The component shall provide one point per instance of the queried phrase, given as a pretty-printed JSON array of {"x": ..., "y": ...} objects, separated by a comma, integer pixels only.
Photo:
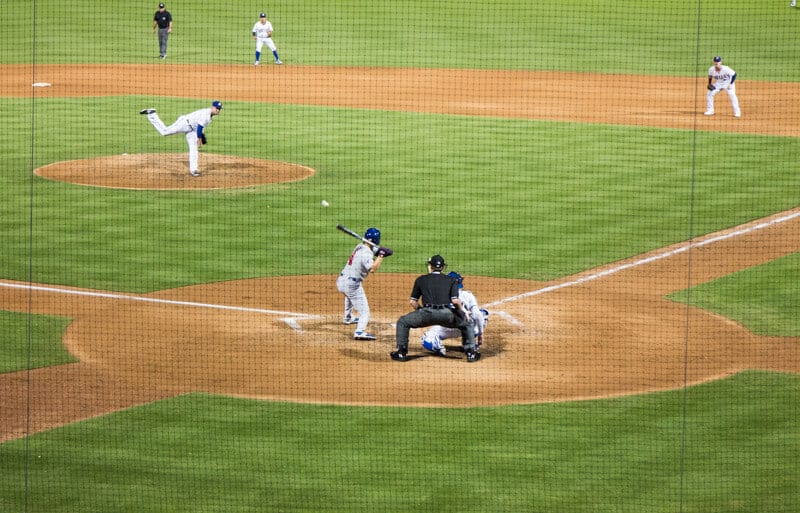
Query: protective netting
[{"x": 183, "y": 328}]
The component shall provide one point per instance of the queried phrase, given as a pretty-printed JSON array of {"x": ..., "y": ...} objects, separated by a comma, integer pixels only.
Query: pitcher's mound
[{"x": 171, "y": 171}]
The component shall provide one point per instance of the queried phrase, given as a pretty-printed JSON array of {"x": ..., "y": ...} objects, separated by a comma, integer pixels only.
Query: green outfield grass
[
  {"x": 650, "y": 38},
  {"x": 201, "y": 453},
  {"x": 524, "y": 199},
  {"x": 565, "y": 197}
]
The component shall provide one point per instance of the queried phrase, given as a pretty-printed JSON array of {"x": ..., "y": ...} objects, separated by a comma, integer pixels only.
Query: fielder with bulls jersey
[{"x": 721, "y": 78}]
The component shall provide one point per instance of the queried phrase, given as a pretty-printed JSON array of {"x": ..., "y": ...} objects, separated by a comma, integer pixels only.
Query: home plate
[{"x": 42, "y": 84}]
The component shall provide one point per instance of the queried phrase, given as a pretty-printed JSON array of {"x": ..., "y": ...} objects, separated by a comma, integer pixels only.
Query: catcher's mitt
[
  {"x": 203, "y": 139},
  {"x": 711, "y": 87}
]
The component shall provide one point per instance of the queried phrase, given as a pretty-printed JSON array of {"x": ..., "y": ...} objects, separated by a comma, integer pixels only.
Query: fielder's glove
[
  {"x": 203, "y": 139},
  {"x": 385, "y": 252},
  {"x": 711, "y": 87}
]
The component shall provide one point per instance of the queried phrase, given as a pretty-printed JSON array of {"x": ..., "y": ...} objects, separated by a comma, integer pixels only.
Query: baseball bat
[{"x": 351, "y": 233}]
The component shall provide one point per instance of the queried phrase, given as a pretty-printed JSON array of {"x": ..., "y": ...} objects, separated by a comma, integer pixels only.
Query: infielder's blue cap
[
  {"x": 717, "y": 59},
  {"x": 217, "y": 104},
  {"x": 263, "y": 15}
]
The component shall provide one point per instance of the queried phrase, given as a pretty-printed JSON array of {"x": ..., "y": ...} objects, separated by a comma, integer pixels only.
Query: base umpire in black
[
  {"x": 440, "y": 305},
  {"x": 163, "y": 21}
]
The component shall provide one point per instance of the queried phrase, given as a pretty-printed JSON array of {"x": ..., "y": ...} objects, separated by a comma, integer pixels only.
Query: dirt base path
[
  {"x": 768, "y": 107},
  {"x": 604, "y": 332}
]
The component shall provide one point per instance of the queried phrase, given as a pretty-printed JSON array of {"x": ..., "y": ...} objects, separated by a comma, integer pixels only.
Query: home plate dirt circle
[{"x": 170, "y": 171}]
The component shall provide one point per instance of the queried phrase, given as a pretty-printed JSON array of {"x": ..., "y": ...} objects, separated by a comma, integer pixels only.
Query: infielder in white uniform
[
  {"x": 262, "y": 33},
  {"x": 193, "y": 125},
  {"x": 350, "y": 283},
  {"x": 432, "y": 339},
  {"x": 721, "y": 78}
]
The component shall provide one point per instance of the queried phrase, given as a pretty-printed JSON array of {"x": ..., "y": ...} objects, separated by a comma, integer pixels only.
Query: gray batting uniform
[{"x": 350, "y": 283}]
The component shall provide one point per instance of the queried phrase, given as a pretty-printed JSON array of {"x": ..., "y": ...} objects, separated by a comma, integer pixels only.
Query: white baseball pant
[
  {"x": 181, "y": 125},
  {"x": 731, "y": 90},
  {"x": 261, "y": 42}
]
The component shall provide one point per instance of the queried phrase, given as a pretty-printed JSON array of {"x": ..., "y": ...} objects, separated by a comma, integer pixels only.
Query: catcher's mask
[
  {"x": 436, "y": 262},
  {"x": 373, "y": 235},
  {"x": 459, "y": 279}
]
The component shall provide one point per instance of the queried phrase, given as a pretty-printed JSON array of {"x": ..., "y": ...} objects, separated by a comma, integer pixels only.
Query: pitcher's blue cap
[
  {"x": 217, "y": 104},
  {"x": 717, "y": 59},
  {"x": 263, "y": 15}
]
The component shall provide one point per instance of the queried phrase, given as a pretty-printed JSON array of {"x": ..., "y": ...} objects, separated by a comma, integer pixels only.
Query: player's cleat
[
  {"x": 399, "y": 355},
  {"x": 350, "y": 320},
  {"x": 147, "y": 111},
  {"x": 473, "y": 356},
  {"x": 737, "y": 115},
  {"x": 708, "y": 113},
  {"x": 256, "y": 63},
  {"x": 278, "y": 62},
  {"x": 194, "y": 173},
  {"x": 363, "y": 335}
]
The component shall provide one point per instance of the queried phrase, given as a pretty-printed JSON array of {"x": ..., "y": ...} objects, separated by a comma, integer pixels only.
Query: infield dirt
[{"x": 613, "y": 334}]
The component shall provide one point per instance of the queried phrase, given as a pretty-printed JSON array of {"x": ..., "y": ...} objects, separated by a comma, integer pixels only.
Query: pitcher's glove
[
  {"x": 385, "y": 252},
  {"x": 203, "y": 139},
  {"x": 711, "y": 87}
]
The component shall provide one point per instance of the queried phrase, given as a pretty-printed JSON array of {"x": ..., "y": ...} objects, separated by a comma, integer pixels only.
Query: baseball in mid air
[{"x": 325, "y": 203}]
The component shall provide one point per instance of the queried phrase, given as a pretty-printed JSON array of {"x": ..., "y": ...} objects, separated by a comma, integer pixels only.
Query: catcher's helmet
[
  {"x": 436, "y": 262},
  {"x": 459, "y": 279},
  {"x": 373, "y": 235}
]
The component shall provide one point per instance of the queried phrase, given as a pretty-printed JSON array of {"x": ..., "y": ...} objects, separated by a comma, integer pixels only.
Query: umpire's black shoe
[
  {"x": 473, "y": 356},
  {"x": 399, "y": 355}
]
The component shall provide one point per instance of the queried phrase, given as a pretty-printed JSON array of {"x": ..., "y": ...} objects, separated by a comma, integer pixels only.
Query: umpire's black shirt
[
  {"x": 436, "y": 289},
  {"x": 162, "y": 18}
]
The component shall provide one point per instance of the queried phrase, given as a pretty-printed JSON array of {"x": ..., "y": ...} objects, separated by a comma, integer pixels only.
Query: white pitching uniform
[
  {"x": 189, "y": 124},
  {"x": 723, "y": 81},
  {"x": 262, "y": 32},
  {"x": 350, "y": 283},
  {"x": 432, "y": 339}
]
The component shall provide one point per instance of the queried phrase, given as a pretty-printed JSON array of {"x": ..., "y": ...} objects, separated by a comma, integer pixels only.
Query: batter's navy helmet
[
  {"x": 436, "y": 262},
  {"x": 459, "y": 279},
  {"x": 373, "y": 235}
]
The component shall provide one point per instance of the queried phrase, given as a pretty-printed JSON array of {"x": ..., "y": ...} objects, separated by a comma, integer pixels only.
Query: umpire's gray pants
[
  {"x": 428, "y": 316},
  {"x": 163, "y": 35}
]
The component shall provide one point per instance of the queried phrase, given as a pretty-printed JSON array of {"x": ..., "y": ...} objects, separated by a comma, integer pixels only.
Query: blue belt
[{"x": 351, "y": 278}]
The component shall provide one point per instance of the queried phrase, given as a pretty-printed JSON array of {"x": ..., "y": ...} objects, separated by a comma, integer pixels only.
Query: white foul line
[
  {"x": 290, "y": 317},
  {"x": 650, "y": 259}
]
